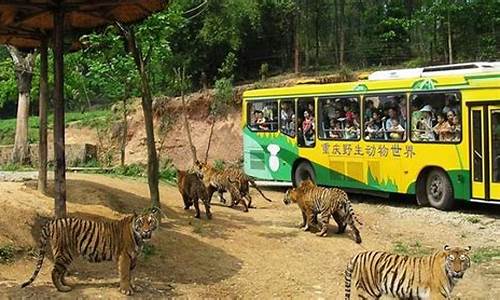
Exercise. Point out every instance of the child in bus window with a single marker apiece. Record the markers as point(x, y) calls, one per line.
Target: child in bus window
point(443, 128)
point(396, 131)
point(335, 129)
point(351, 131)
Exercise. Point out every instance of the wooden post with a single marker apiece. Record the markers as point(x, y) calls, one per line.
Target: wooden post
point(59, 153)
point(43, 100)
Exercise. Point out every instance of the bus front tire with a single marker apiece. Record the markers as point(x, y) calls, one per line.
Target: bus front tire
point(438, 190)
point(302, 172)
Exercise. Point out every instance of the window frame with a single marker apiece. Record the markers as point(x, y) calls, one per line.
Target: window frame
point(320, 112)
point(403, 93)
point(294, 101)
point(250, 103)
point(459, 94)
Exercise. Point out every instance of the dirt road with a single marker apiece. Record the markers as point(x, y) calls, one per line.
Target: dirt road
point(261, 254)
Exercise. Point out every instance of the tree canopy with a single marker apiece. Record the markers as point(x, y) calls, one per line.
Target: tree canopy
point(206, 37)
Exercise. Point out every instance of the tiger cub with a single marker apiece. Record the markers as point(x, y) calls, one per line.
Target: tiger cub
point(192, 189)
point(377, 273)
point(96, 241)
point(319, 203)
point(231, 175)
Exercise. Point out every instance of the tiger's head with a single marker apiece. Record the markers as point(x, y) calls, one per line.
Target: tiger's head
point(457, 261)
point(290, 196)
point(143, 225)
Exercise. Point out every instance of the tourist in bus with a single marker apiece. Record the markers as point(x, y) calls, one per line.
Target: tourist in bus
point(335, 130)
point(443, 128)
point(260, 121)
point(448, 104)
point(351, 131)
point(425, 124)
point(392, 116)
point(286, 118)
point(369, 109)
point(374, 127)
point(396, 131)
point(454, 122)
point(308, 128)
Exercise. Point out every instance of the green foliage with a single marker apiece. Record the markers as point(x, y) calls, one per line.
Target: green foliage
point(219, 164)
point(15, 167)
point(414, 249)
point(132, 170)
point(485, 254)
point(7, 253)
point(264, 71)
point(473, 219)
point(148, 250)
point(223, 97)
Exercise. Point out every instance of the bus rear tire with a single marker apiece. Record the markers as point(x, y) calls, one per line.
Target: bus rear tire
point(302, 172)
point(438, 190)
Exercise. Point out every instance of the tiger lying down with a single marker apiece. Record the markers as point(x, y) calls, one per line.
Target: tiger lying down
point(96, 241)
point(325, 202)
point(376, 273)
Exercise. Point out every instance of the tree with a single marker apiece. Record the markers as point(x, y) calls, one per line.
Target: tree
point(23, 63)
point(147, 108)
point(181, 85)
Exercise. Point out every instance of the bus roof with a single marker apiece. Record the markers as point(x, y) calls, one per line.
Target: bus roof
point(427, 83)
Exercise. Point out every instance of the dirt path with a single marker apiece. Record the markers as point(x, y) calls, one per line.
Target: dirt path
point(260, 254)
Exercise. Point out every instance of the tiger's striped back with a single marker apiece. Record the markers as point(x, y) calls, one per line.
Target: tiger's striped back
point(377, 273)
point(95, 241)
point(325, 202)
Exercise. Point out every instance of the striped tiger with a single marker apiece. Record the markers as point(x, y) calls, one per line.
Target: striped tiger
point(375, 273)
point(192, 190)
point(228, 180)
point(325, 202)
point(96, 241)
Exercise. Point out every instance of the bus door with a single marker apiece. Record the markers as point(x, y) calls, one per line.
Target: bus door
point(484, 124)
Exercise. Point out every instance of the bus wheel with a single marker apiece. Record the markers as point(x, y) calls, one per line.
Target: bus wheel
point(302, 172)
point(438, 190)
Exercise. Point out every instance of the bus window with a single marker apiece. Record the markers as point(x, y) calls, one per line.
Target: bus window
point(263, 115)
point(495, 144)
point(385, 117)
point(339, 118)
point(287, 117)
point(435, 117)
point(306, 128)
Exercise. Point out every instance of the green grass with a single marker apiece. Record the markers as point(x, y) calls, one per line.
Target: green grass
point(15, 167)
point(414, 249)
point(7, 253)
point(148, 250)
point(91, 119)
point(485, 254)
point(473, 219)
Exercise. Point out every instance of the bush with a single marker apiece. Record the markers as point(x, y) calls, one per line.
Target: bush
point(6, 254)
point(264, 71)
point(346, 74)
point(223, 96)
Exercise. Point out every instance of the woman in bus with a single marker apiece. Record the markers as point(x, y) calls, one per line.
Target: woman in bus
point(308, 128)
point(443, 129)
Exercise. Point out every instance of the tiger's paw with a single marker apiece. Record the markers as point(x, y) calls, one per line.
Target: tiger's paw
point(322, 234)
point(128, 291)
point(197, 216)
point(305, 228)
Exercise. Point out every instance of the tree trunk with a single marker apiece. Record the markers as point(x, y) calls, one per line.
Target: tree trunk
point(209, 139)
point(341, 32)
point(43, 100)
point(23, 63)
point(59, 143)
point(188, 130)
point(296, 48)
point(147, 108)
point(316, 28)
point(450, 49)
point(125, 130)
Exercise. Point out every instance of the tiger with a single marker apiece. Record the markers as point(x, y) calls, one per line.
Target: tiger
point(317, 201)
point(375, 273)
point(101, 240)
point(231, 175)
point(192, 189)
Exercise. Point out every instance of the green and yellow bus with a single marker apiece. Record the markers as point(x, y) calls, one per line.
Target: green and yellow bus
point(431, 132)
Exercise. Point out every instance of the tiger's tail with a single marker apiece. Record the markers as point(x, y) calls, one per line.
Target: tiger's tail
point(41, 256)
point(351, 213)
point(253, 184)
point(347, 278)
